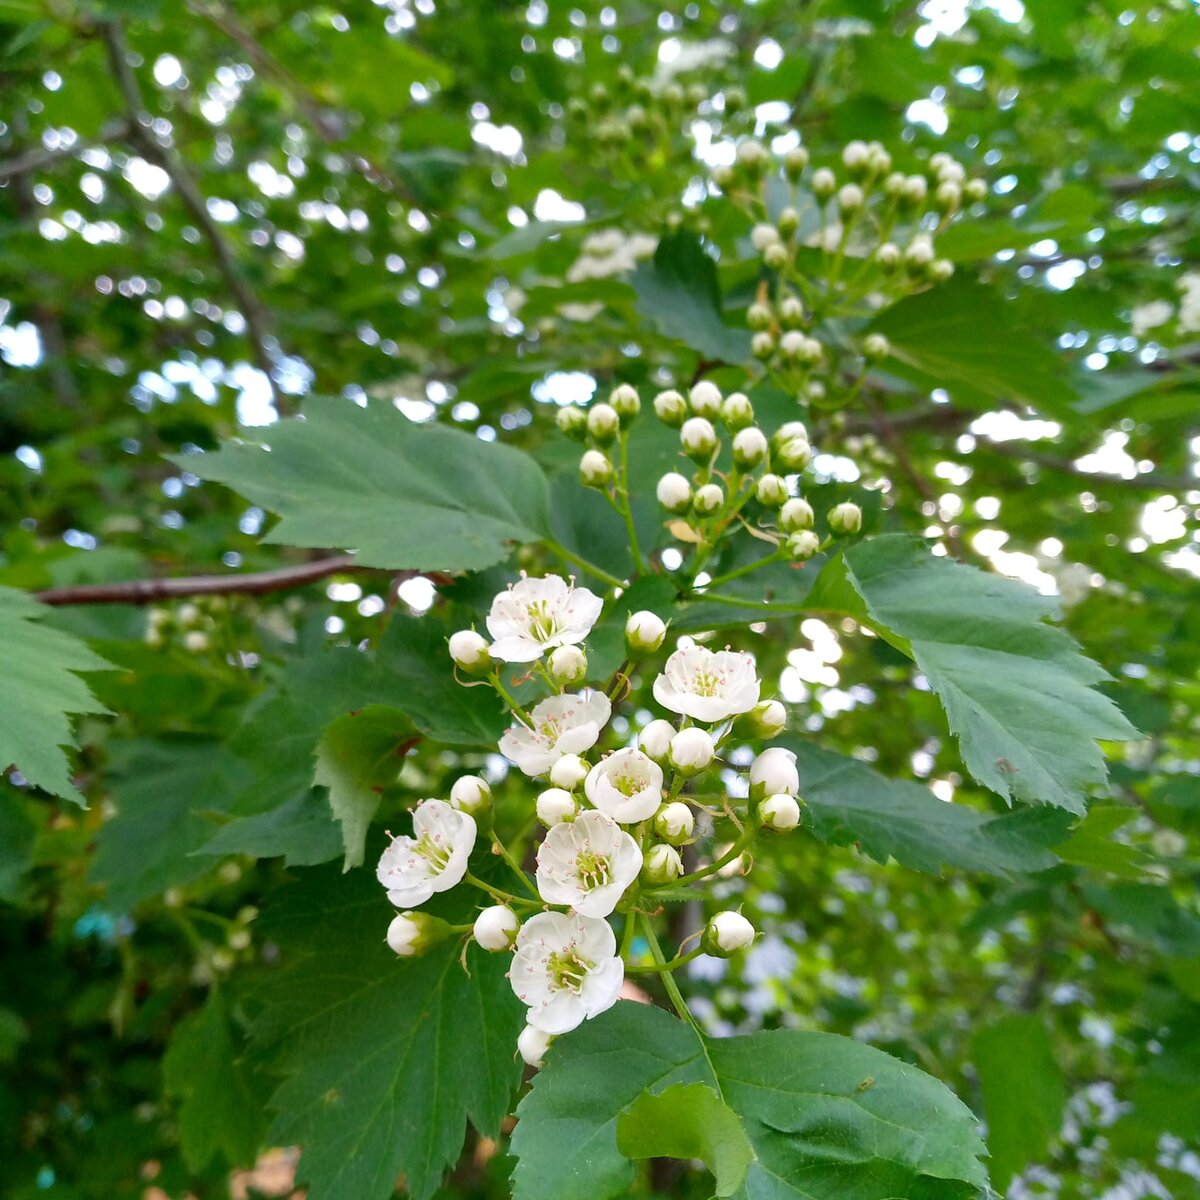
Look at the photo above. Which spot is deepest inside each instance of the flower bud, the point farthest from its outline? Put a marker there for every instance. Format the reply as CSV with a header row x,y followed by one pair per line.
x,y
573,422
691,751
725,177
850,198
795,515
708,499
948,197
594,468
655,740
726,934
195,641
187,614
845,518
803,545
644,632
916,189
569,772
975,190
674,492
471,794
789,221
496,928
824,183
793,455
698,438
532,1045
879,161
567,664
469,650
662,864
794,163
876,347
789,429
706,400
815,391
762,344
772,772
736,411
792,345
411,934
920,251
762,236
603,422
758,316
940,270
951,172
670,408
775,256
856,156
772,491
625,402
674,822
767,719
749,447
555,805
779,812
752,156
791,311
893,185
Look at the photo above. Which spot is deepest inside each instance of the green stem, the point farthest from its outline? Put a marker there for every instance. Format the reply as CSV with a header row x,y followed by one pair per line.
x,y
510,700
668,979
626,510
627,936
729,856
518,870
673,964
758,564
497,894
583,564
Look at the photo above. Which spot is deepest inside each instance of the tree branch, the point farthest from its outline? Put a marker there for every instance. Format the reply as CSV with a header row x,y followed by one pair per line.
x,y
41,156
252,309
255,583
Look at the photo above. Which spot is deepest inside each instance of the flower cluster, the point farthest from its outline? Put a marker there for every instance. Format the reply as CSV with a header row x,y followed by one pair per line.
x,y
617,814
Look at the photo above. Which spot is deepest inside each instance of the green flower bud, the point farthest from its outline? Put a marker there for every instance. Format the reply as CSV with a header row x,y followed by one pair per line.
x,y
789,221
794,163
727,934
573,422
791,312
824,183
876,347
780,812
758,316
595,470
775,257
671,408
736,411
888,256
705,399
661,865
975,190
803,545
674,823
674,492
625,402
412,934
940,270
762,345
772,491
793,455
795,515
708,499
845,518
603,423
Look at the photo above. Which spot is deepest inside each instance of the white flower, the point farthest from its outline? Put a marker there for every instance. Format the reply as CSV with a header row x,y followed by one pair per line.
x,y
536,615
532,1045
1150,316
587,864
433,860
470,794
566,724
495,928
779,812
763,235
554,805
691,750
655,739
774,771
705,686
674,492
569,772
803,545
626,786
727,933
674,822
566,969
644,632
469,649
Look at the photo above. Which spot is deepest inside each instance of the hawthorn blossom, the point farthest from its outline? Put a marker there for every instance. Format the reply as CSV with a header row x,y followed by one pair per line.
x,y
535,615
707,686
587,864
565,969
433,860
567,724
626,786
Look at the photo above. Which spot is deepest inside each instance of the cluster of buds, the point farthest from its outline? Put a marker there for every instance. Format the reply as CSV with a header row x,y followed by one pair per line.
x,y
193,625
616,823
874,229
599,426
765,470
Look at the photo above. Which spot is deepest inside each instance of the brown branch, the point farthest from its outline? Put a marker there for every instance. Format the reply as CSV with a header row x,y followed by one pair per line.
x,y
42,156
255,583
252,309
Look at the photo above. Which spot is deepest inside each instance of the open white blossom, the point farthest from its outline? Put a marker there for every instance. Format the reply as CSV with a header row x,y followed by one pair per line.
x,y
433,860
587,864
535,615
567,724
565,969
707,686
627,786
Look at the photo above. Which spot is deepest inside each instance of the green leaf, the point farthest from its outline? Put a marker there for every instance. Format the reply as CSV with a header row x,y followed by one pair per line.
x,y
385,1059
40,688
686,1121
399,494
826,1117
358,756
1023,1093
301,831
1094,844
678,291
961,337
17,834
1017,693
847,802
219,1113
159,789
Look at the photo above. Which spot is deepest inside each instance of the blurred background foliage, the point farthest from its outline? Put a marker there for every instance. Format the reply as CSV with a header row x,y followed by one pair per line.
x,y
209,210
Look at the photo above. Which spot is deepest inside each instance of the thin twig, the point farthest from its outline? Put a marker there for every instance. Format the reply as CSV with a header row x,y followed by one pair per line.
x,y
42,156
252,309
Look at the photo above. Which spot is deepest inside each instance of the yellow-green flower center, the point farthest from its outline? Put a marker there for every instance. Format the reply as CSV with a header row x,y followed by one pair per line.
x,y
568,970
435,854
593,869
542,623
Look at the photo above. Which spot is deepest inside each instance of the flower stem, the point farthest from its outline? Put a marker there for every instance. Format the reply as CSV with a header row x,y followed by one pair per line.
x,y
626,510
518,870
510,700
673,964
729,856
668,979
497,894
744,570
